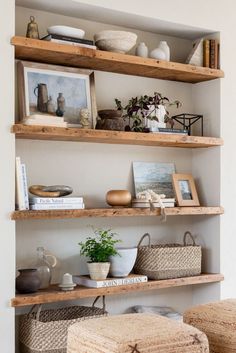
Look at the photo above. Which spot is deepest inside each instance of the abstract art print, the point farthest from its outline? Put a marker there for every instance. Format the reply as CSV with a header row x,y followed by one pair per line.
x,y
154,176
56,91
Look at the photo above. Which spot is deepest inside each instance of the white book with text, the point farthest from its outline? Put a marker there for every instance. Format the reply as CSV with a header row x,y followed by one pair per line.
x,y
109,282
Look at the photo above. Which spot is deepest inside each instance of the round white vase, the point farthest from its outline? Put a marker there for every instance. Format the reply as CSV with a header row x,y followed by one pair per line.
x,y
98,270
142,50
166,49
158,54
122,264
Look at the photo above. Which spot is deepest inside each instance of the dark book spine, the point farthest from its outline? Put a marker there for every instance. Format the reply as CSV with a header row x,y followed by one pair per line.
x,y
206,53
173,131
69,39
212,53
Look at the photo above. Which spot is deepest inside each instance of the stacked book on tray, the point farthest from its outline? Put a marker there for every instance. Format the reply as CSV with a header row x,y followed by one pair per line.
x,y
61,39
56,203
86,281
144,203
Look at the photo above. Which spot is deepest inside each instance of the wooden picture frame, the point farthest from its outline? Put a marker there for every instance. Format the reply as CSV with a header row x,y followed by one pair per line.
x,y
185,190
76,85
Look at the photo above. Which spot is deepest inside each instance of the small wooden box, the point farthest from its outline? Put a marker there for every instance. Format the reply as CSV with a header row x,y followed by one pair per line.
x,y
135,333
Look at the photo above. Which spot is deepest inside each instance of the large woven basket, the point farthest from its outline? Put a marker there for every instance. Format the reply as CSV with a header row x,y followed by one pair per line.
x,y
168,261
46,331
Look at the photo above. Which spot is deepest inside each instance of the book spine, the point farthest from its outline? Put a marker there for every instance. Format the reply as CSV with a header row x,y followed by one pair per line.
x,y
71,39
25,186
173,131
39,207
56,200
206,53
212,53
20,200
82,45
218,56
141,205
109,283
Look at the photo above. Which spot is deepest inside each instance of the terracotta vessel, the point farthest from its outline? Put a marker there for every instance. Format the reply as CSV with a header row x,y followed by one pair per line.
x,y
28,281
118,198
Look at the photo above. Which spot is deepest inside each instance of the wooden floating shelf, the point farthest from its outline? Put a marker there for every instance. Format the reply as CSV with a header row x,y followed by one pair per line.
x,y
114,137
55,295
115,212
61,54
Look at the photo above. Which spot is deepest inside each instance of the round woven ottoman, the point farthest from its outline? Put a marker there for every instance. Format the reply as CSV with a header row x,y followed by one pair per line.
x,y
218,322
135,333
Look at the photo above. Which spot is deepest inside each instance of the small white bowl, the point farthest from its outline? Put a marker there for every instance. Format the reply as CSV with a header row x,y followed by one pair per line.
x,y
116,41
66,31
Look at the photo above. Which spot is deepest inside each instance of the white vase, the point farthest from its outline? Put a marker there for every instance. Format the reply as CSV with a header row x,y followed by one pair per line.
x,y
98,270
164,46
122,264
158,54
160,114
142,50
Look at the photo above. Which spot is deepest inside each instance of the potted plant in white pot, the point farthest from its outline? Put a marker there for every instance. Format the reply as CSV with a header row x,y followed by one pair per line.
x,y
98,250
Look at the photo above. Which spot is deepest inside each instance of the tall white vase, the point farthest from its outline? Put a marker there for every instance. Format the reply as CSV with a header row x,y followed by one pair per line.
x,y
166,49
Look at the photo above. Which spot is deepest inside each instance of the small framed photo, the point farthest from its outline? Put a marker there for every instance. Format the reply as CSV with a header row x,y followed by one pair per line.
x,y
185,190
47,91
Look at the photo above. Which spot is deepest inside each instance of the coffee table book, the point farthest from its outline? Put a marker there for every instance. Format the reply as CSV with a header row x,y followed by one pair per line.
x,y
86,281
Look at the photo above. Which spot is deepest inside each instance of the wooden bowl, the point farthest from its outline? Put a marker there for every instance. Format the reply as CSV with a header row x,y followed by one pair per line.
x,y
109,113
118,198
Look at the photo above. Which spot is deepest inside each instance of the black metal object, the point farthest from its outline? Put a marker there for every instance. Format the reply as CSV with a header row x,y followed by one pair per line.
x,y
187,120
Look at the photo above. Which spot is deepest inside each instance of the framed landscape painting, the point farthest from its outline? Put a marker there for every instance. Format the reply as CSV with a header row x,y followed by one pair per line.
x,y
154,176
56,91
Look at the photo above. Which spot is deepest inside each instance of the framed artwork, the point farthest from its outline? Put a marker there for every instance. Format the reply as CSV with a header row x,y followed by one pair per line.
x,y
154,176
185,190
56,91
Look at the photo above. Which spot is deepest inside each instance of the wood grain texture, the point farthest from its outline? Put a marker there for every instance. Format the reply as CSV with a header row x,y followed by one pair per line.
x,y
113,137
115,212
68,55
53,294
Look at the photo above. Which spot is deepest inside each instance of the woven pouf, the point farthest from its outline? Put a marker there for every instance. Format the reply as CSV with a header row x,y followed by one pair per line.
x,y
218,322
135,333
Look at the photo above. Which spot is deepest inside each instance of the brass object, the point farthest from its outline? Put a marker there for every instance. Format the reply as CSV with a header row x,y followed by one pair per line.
x,y
118,198
32,29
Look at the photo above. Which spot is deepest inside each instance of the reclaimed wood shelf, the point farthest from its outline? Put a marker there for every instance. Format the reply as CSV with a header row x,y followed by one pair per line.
x,y
68,55
113,137
114,212
53,294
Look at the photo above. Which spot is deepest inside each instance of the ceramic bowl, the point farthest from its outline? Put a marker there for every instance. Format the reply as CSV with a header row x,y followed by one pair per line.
x,y
116,41
122,265
118,198
66,31
109,113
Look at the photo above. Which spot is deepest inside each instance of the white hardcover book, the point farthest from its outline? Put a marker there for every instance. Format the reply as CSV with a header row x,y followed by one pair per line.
x,y
155,204
46,123
82,45
56,200
109,282
20,200
65,206
25,186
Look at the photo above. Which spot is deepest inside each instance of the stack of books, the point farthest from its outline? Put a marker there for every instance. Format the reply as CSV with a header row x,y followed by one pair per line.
x,y
47,120
22,199
57,38
143,203
171,131
211,49
56,203
86,281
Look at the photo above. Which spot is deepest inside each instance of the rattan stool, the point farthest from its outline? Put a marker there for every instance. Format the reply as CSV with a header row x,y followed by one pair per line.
x,y
135,333
218,322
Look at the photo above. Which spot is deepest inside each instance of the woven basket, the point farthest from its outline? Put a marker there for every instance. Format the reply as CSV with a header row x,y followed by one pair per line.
x,y
46,331
168,261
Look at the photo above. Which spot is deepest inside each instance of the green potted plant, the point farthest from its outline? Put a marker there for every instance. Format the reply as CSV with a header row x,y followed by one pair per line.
x,y
98,249
147,112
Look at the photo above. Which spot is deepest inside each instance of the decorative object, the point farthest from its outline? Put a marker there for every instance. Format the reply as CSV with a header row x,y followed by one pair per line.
x,y
142,50
50,191
50,106
28,281
67,282
168,260
116,41
85,118
185,190
195,56
110,119
66,31
72,89
46,330
154,176
118,198
32,29
45,263
98,250
187,120
166,49
217,321
158,54
147,112
122,265
135,333
109,282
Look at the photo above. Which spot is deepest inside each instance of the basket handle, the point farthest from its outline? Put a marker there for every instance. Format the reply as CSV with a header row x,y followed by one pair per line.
x,y
103,302
143,237
39,306
190,235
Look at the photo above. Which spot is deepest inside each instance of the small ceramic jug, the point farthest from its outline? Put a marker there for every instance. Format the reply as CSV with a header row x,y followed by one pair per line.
x,y
164,46
158,54
142,50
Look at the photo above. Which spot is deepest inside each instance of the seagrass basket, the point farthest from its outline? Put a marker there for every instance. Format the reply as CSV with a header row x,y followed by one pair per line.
x,y
169,260
46,331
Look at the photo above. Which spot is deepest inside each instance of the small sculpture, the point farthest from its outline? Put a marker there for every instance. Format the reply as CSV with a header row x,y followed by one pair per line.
x,y
32,29
85,118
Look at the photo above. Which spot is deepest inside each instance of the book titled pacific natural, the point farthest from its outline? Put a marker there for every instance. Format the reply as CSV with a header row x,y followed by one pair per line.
x,y
86,281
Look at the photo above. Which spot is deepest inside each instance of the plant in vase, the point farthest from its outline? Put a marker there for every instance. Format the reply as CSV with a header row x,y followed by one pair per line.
x,y
147,113
98,250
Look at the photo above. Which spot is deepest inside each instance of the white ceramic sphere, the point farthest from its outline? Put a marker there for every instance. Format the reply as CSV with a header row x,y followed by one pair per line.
x,y
158,54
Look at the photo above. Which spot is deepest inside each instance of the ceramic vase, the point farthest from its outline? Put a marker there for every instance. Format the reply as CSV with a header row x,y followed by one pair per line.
x,y
142,50
98,270
28,281
158,54
118,198
123,263
164,46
